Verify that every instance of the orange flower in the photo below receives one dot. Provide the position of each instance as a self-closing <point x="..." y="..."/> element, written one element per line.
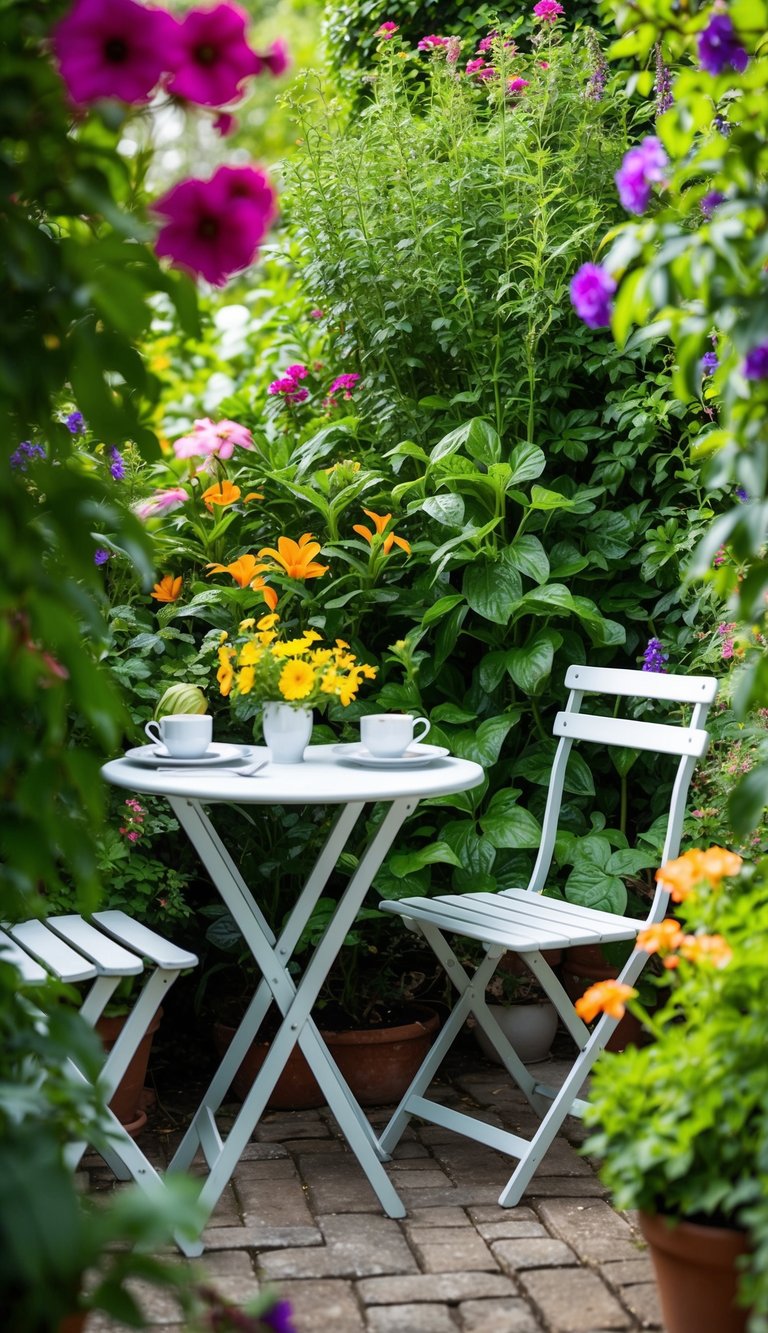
<point x="607" y="997"/>
<point x="222" y="493"/>
<point x="380" y="522"/>
<point x="168" y="589"/>
<point x="253" y="495"/>
<point x="660" y="938"/>
<point x="683" y="874"/>
<point x="244" y="571"/>
<point x="296" y="558"/>
<point x="706" y="948"/>
<point x="270" y="596"/>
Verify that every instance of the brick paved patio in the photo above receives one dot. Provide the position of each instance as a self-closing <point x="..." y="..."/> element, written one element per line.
<point x="299" y="1213"/>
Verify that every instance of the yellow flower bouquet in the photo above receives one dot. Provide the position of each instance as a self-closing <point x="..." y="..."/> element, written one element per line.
<point x="263" y="667"/>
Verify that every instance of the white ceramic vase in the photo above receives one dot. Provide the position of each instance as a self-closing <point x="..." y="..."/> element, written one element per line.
<point x="530" y="1028"/>
<point x="286" y="731"/>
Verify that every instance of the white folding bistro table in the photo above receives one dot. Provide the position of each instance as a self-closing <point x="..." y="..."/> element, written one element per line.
<point x="322" y="779"/>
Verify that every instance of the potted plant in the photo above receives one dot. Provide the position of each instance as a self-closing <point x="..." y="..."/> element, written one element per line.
<point x="681" y="1125"/>
<point x="525" y="1015"/>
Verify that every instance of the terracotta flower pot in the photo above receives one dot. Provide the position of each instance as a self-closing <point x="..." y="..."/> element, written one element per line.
<point x="378" y="1063"/>
<point x="127" y="1100"/>
<point x="696" y="1274"/>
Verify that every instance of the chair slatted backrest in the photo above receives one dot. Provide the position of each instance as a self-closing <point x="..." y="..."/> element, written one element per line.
<point x="689" y="740"/>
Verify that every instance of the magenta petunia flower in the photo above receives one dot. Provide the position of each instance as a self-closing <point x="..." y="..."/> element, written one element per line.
<point x="474" y="66"/>
<point x="719" y="46"/>
<point x="215" y="59"/>
<point x="386" y="31"/>
<point x="214" y="227"/>
<point x="548" y="11"/>
<point x="591" y="290"/>
<point x="114" y="48"/>
<point x="213" y="438"/>
<point x="640" y="167"/>
<point x="517" y="86"/>
<point x="162" y="502"/>
<point x="225" y="124"/>
<point x="342" y="384"/>
<point x="486" y="43"/>
<point x="432" y="43"/>
<point x="277" y="59"/>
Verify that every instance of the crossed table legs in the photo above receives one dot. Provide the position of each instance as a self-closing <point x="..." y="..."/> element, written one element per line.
<point x="272" y="956"/>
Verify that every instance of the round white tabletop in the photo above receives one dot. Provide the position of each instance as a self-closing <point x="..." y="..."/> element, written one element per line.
<point x="323" y="778"/>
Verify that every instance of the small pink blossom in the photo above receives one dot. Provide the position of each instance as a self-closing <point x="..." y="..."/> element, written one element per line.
<point x="432" y="43"/>
<point x="287" y="387"/>
<point x="342" y="384"/>
<point x="488" y="73"/>
<point x="114" y="48"/>
<point x="548" y="11"/>
<point x="486" y="43"/>
<point x="474" y="66"/>
<point x="516" y="86"/>
<point x="277" y="59"/>
<point x="214" y="227"/>
<point x="208" y="438"/>
<point x="162" y="502"/>
<point x="386" y="31"/>
<point x="225" y="124"/>
<point x="215" y="57"/>
<point x="316" y="313"/>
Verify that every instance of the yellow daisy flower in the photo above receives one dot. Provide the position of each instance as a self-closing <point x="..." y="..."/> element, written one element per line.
<point x="296" y="680"/>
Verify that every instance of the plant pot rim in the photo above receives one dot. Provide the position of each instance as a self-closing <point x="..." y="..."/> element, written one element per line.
<point x="666" y="1230"/>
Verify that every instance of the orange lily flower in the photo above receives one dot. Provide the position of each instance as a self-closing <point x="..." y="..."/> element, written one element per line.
<point x="168" y="589"/>
<point x="296" y="558"/>
<point x="380" y="522"/>
<point x="661" y="937"/>
<point x="710" y="948"/>
<point x="607" y="997"/>
<point x="683" y="874"/>
<point x="244" y="571"/>
<point x="222" y="493"/>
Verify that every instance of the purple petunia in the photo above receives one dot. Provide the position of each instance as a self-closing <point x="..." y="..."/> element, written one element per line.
<point x="654" y="657"/>
<point x="101" y="555"/>
<point x="641" y="167"/>
<point x="24" y="454"/>
<point x="710" y="202"/>
<point x="591" y="290"/>
<point x="280" y="1318"/>
<point x="117" y="464"/>
<point x="709" y="363"/>
<point x="742" y="495"/>
<point x="75" y="423"/>
<point x="756" y="363"/>
<point x="719" y="47"/>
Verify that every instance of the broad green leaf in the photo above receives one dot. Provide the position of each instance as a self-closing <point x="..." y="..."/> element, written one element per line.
<point x="491" y="670"/>
<point x="623" y="759"/>
<point x="483" y="443"/>
<point x="492" y="588"/>
<point x="528" y="555"/>
<point x="552" y="599"/>
<point x="451" y="713"/>
<point x="527" y="461"/>
<point x="628" y="860"/>
<point x="441" y="608"/>
<point x="484" y="744"/>
<point x="590" y="886"/>
<point x="451" y="442"/>
<point x="507" y="824"/>
<point x="530" y="667"/>
<point x="476" y="855"/>
<point x="405" y="863"/>
<point x="541" y="498"/>
<point x="446" y="509"/>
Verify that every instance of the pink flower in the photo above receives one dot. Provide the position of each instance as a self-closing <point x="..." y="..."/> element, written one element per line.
<point x="214" y="58"/>
<point x="387" y="30"/>
<point x="114" y="48"/>
<point x="474" y="66"/>
<point x="316" y="313"/>
<point x="162" y="502"/>
<point x="548" y="11"/>
<point x="224" y="124"/>
<point x="432" y="43"/>
<point x="486" y="43"/>
<point x="342" y="383"/>
<point x="287" y="387"/>
<point x="209" y="438"/>
<point x="297" y="372"/>
<point x="277" y="59"/>
<point x="487" y="73"/>
<point x="517" y="86"/>
<point x="214" y="227"/>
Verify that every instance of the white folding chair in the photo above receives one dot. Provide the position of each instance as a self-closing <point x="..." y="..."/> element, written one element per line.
<point x="103" y="950"/>
<point x="524" y="922"/>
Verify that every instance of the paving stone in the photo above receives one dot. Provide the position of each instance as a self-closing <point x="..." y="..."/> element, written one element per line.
<point x="440" y="1216"/>
<point x="337" y="1185"/>
<point x="277" y="1131"/>
<point x="495" y="1213"/>
<point x="462" y="1196"/>
<point x="575" y="1187"/>
<point x="411" y="1319"/>
<point x="262" y="1152"/>
<point x="628" y="1271"/>
<point x="462" y="1251"/>
<point x="533" y="1252"/>
<point x="404" y="1179"/>
<point x="324" y="1307"/>
<point x="324" y="1147"/>
<point x="260" y="1237"/>
<point x="494" y="1316"/>
<point x="510" y="1230"/>
<point x="266" y="1202"/>
<point x="591" y="1227"/>
<point x="454" y="1287"/>
<point x="572" y="1300"/>
<point x="643" y="1301"/>
<point x="229" y="1272"/>
<point x="354" y="1247"/>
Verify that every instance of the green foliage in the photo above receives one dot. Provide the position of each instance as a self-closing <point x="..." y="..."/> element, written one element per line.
<point x="681" y="1123"/>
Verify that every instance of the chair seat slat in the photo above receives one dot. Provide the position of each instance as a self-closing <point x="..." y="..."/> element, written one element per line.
<point x="657" y="736"/>
<point x="11" y="952"/>
<point x="505" y="929"/>
<point x="144" y="941"/>
<point x="110" y="958"/>
<point x="53" y="952"/>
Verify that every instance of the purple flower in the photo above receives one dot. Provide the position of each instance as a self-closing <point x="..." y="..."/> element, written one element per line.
<point x="287" y="387"/>
<point x="343" y="384"/>
<point x="548" y="11"/>
<point x="280" y="1318"/>
<point x="710" y="202"/>
<point x="742" y="495"/>
<point x="654" y="656"/>
<point x="756" y="363"/>
<point x="722" y="125"/>
<point x="719" y="46"/>
<point x="317" y="313"/>
<point x="486" y="43"/>
<point x="214" y="227"/>
<point x="117" y="465"/>
<point x="516" y="86"/>
<point x="640" y="168"/>
<point x="24" y="454"/>
<point x="663" y="86"/>
<point x="215" y="58"/>
<point x="386" y="31"/>
<point x="591" y="290"/>
<point x="101" y="555"/>
<point x="75" y="423"/>
<point x="277" y="59"/>
<point x="114" y="48"/>
<point x="596" y="82"/>
<point x="709" y="363"/>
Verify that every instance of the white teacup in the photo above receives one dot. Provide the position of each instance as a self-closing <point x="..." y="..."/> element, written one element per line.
<point x="387" y="735"/>
<point x="184" y="735"/>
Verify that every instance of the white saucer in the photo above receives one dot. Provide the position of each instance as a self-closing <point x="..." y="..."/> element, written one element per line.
<point x="414" y="757"/>
<point x="156" y="756"/>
